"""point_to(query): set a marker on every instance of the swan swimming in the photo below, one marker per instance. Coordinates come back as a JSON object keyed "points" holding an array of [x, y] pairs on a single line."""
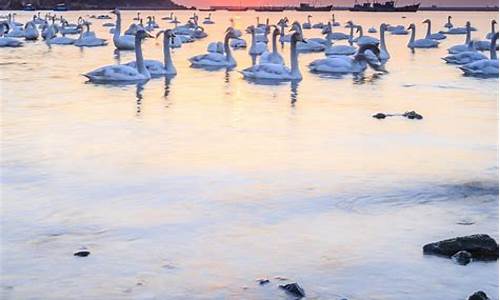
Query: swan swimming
{"points": [[216, 60], [448, 24], [273, 57], [420, 43], [157, 68], [257, 48], [484, 67], [278, 72], [122, 42], [465, 46], [430, 35], [114, 74], [491, 34], [307, 25], [363, 39], [7, 41], [347, 64], [88, 39], [30, 31], [465, 57]]}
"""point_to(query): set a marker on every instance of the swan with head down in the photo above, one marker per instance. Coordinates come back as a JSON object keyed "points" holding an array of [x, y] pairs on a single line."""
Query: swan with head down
{"points": [[349, 64], [484, 67]]}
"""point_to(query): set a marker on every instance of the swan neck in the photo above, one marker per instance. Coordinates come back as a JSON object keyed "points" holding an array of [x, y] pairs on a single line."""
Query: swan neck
{"points": [[382, 39], [294, 59], [493, 48], [118, 26], [412, 38], [492, 27], [167, 59], [468, 36], [275, 47], [227, 49], [138, 56], [428, 35]]}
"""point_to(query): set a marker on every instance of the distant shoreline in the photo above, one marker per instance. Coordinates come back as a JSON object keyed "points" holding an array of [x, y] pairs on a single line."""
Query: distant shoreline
{"points": [[456, 9]]}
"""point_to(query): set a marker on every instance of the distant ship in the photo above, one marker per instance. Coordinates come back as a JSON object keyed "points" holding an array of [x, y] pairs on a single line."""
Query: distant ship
{"points": [[206, 9], [29, 7], [269, 8], [388, 6], [60, 7], [308, 7]]}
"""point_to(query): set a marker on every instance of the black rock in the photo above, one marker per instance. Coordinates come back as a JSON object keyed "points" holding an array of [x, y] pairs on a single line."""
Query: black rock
{"points": [[263, 281], [379, 116], [479, 295], [82, 253], [480, 246], [413, 115], [462, 257], [294, 289]]}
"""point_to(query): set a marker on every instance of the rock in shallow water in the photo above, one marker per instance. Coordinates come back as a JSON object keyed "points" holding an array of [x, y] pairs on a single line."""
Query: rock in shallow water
{"points": [[294, 289], [263, 281], [479, 295], [379, 116], [480, 246], [462, 257], [82, 253]]}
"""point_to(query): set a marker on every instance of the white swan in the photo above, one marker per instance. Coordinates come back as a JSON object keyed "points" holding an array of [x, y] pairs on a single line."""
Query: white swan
{"points": [[122, 73], [459, 30], [284, 38], [273, 57], [465, 57], [7, 41], [347, 64], [30, 31], [363, 39], [491, 34], [238, 43], [448, 24], [307, 25], [215, 47], [384, 55], [52, 39], [338, 50], [157, 68], [430, 35], [484, 67], [236, 32], [306, 45], [328, 30], [216, 60], [465, 46], [257, 48], [122, 42], [278, 72], [208, 20], [88, 39], [372, 30], [398, 30], [420, 43], [334, 23]]}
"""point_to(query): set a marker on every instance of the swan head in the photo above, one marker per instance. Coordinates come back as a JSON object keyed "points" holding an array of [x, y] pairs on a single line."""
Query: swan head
{"points": [[296, 27], [426, 21], [230, 32], [493, 21], [297, 37], [115, 11], [467, 24], [411, 27], [276, 31]]}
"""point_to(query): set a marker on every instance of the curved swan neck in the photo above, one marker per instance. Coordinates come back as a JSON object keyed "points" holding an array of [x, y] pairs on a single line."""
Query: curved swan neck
{"points": [[493, 27], [227, 49], [360, 28], [412, 38], [275, 38], [253, 38], [167, 59], [282, 28], [428, 34]]}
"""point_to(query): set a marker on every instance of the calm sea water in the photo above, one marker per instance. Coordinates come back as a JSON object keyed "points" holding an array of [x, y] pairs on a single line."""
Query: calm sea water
{"points": [[193, 187]]}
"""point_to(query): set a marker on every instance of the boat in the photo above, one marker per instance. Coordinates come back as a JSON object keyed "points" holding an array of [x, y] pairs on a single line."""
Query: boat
{"points": [[29, 7], [269, 8], [206, 9], [308, 7], [388, 6], [60, 7], [236, 8]]}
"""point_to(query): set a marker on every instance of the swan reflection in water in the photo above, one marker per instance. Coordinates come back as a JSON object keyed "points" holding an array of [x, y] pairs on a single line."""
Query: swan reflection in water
{"points": [[361, 78], [294, 92], [139, 88], [117, 56]]}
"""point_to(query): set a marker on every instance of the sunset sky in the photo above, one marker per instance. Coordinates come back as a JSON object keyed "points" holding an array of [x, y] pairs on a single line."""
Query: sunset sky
{"points": [[337, 2]]}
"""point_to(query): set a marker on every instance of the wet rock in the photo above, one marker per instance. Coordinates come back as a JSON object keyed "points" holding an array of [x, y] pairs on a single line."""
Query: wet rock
{"points": [[82, 253], [462, 257], [280, 278], [480, 246], [263, 281], [479, 295], [294, 289], [379, 116], [413, 115]]}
